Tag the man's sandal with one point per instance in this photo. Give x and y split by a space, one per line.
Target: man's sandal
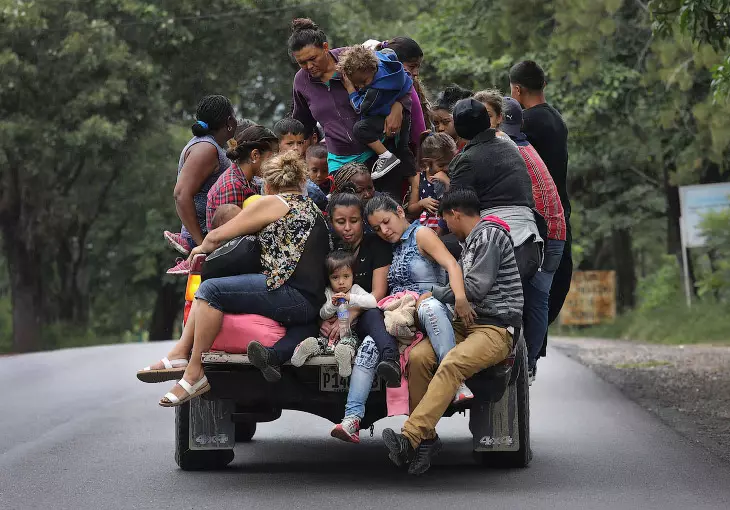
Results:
193 390
173 370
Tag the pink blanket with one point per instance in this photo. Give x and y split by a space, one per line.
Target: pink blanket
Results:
397 399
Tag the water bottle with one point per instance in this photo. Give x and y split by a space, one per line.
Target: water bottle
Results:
343 318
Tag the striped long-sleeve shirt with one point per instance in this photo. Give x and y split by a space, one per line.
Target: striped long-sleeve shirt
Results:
491 278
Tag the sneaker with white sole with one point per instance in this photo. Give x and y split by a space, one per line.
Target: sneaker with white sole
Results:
182 266
306 349
177 242
348 430
384 165
344 356
531 374
463 394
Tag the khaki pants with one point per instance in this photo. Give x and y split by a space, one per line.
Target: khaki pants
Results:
432 389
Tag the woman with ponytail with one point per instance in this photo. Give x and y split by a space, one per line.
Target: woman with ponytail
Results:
247 152
202 161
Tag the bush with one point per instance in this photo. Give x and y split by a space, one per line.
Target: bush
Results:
716 230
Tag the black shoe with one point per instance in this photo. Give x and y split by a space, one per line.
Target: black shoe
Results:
389 371
401 451
531 375
426 451
264 359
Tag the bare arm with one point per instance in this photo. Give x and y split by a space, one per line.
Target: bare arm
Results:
201 161
429 244
249 221
380 282
414 209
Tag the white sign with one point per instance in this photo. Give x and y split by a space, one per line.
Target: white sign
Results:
695 202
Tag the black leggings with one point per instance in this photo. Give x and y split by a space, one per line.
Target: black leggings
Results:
370 129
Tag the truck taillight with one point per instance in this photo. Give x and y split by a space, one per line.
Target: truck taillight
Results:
194 280
192 287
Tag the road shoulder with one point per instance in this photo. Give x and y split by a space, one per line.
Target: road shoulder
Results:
687 387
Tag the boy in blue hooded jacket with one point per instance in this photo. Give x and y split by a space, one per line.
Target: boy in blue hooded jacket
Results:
376 80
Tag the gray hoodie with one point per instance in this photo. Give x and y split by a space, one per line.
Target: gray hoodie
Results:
491 278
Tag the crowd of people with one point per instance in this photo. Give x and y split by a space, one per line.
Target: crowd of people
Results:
443 226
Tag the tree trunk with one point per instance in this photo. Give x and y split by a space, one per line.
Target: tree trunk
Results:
625 265
24 270
168 305
674 239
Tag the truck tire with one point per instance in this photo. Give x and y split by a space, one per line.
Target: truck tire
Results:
522 457
195 460
245 431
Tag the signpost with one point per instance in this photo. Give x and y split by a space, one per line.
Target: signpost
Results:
695 202
591 299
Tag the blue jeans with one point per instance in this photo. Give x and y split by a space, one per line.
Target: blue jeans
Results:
537 294
435 319
247 293
361 380
371 323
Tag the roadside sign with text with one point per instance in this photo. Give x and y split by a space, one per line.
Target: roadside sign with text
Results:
591 299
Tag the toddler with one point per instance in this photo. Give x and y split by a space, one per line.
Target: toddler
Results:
375 81
339 267
427 188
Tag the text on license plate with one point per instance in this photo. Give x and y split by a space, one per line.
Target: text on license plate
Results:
330 380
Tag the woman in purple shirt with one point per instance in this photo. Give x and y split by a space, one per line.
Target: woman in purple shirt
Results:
320 96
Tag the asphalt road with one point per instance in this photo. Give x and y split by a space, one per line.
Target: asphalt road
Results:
78 431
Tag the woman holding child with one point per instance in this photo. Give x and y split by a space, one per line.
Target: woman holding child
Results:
320 95
294 242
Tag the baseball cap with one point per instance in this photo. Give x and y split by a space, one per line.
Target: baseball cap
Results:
512 117
470 118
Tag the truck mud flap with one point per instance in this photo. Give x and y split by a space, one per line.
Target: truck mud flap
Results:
211 427
494 425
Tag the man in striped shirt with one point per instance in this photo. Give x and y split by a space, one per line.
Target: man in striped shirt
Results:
547 203
494 289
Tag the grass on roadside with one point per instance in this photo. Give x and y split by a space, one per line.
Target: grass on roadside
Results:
673 324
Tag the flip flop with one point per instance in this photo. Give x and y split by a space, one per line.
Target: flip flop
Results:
192 390
173 370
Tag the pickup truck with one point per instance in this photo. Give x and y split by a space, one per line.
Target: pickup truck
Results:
208 428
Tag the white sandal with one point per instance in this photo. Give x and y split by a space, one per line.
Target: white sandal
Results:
173 370
193 390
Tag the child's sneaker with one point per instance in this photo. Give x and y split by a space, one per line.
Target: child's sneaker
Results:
384 165
348 430
178 242
181 267
344 355
463 394
305 350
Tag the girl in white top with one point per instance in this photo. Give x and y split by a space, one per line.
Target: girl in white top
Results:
339 268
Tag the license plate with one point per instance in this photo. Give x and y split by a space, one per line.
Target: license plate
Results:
330 380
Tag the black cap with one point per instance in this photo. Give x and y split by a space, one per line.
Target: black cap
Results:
470 118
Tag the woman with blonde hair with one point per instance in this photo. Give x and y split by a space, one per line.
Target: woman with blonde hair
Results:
294 241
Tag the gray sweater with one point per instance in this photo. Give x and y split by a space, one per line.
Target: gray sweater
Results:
491 279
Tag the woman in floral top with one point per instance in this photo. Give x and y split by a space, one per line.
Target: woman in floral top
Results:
294 242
